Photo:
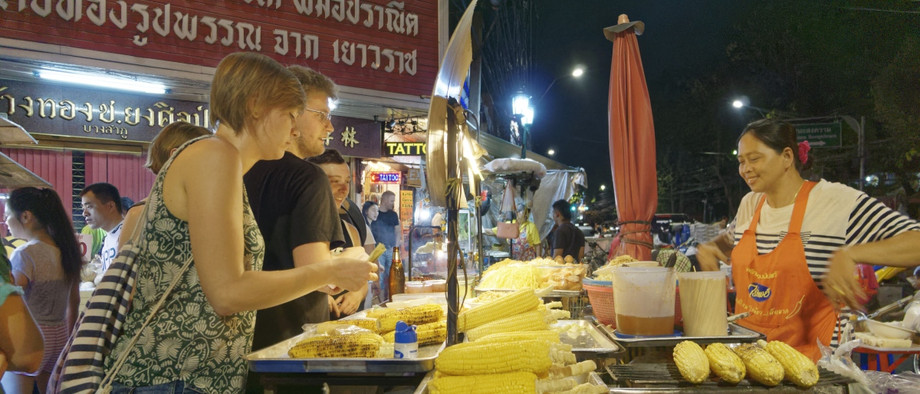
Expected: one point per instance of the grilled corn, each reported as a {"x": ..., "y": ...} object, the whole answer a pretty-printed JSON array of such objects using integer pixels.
[
  {"x": 760, "y": 365},
  {"x": 691, "y": 361},
  {"x": 725, "y": 363},
  {"x": 427, "y": 334},
  {"x": 798, "y": 368},
  {"x": 417, "y": 315},
  {"x": 364, "y": 345}
]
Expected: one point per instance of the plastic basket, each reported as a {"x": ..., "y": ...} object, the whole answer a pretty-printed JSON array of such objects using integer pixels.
[{"x": 600, "y": 295}]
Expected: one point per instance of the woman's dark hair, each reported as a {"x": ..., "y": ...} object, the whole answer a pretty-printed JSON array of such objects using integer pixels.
[
  {"x": 367, "y": 205},
  {"x": 47, "y": 208},
  {"x": 778, "y": 136}
]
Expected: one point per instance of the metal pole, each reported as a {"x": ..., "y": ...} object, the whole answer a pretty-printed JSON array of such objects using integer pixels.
[
  {"x": 523, "y": 130},
  {"x": 453, "y": 207},
  {"x": 862, "y": 151}
]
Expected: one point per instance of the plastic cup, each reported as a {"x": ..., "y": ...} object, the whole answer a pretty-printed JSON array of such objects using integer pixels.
[
  {"x": 643, "y": 298},
  {"x": 703, "y": 304}
]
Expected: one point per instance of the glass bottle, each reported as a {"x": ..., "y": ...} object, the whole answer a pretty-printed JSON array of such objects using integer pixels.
[{"x": 397, "y": 277}]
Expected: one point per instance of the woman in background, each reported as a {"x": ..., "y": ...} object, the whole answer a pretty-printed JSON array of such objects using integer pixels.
[
  {"x": 47, "y": 267},
  {"x": 370, "y": 212}
]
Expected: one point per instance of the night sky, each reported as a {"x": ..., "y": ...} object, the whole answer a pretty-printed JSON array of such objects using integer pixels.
[{"x": 681, "y": 38}]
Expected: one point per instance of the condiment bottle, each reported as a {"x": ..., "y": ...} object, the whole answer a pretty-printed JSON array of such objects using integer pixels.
[
  {"x": 405, "y": 341},
  {"x": 397, "y": 277}
]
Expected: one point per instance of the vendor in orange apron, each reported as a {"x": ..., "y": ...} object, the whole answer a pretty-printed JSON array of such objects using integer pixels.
[{"x": 776, "y": 287}]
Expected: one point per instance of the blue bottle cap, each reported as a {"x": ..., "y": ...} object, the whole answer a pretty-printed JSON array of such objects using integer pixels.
[{"x": 405, "y": 333}]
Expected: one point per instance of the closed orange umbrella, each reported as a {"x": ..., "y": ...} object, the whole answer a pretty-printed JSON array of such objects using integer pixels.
[{"x": 632, "y": 140}]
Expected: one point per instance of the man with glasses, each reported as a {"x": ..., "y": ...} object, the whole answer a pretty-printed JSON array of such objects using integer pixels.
[{"x": 293, "y": 204}]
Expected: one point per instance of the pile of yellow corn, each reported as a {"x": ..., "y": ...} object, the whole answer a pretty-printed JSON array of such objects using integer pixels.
[{"x": 765, "y": 363}]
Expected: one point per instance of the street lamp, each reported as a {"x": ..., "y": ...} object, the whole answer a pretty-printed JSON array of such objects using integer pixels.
[
  {"x": 740, "y": 103},
  {"x": 577, "y": 72},
  {"x": 522, "y": 116},
  {"x": 551, "y": 152}
]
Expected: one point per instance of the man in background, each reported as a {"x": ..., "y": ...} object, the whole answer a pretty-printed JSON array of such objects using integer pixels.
[
  {"x": 388, "y": 232},
  {"x": 102, "y": 210},
  {"x": 355, "y": 229},
  {"x": 568, "y": 240},
  {"x": 293, "y": 205}
]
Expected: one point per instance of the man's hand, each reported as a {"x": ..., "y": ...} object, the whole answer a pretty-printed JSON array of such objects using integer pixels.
[
  {"x": 334, "y": 308},
  {"x": 840, "y": 284},
  {"x": 349, "y": 302},
  {"x": 708, "y": 255}
]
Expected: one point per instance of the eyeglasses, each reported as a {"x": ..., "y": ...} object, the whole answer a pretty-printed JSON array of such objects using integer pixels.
[{"x": 324, "y": 114}]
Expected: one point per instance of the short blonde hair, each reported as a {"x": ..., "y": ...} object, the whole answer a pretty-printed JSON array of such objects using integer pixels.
[
  {"x": 313, "y": 80},
  {"x": 247, "y": 85},
  {"x": 171, "y": 137}
]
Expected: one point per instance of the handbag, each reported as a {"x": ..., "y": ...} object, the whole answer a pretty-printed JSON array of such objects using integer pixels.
[
  {"x": 508, "y": 230},
  {"x": 80, "y": 367}
]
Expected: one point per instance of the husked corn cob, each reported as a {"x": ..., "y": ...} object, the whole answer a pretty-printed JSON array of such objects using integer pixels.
[
  {"x": 515, "y": 303},
  {"x": 512, "y": 382},
  {"x": 586, "y": 388},
  {"x": 725, "y": 363},
  {"x": 545, "y": 335},
  {"x": 691, "y": 361},
  {"x": 527, "y": 321},
  {"x": 353, "y": 345},
  {"x": 760, "y": 365},
  {"x": 798, "y": 368},
  {"x": 475, "y": 359},
  {"x": 427, "y": 334},
  {"x": 417, "y": 315},
  {"x": 329, "y": 327}
]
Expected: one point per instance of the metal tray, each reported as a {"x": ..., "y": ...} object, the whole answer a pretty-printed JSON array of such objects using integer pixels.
[
  {"x": 737, "y": 334},
  {"x": 591, "y": 377},
  {"x": 592, "y": 341},
  {"x": 274, "y": 359},
  {"x": 551, "y": 294}
]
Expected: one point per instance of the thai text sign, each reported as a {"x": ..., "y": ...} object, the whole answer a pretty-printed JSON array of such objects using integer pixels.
[
  {"x": 819, "y": 134},
  {"x": 73, "y": 112},
  {"x": 389, "y": 46}
]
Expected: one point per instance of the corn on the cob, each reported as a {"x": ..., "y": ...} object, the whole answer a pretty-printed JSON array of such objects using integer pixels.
[
  {"x": 760, "y": 365},
  {"x": 330, "y": 327},
  {"x": 691, "y": 361},
  {"x": 513, "y": 382},
  {"x": 363, "y": 345},
  {"x": 417, "y": 315},
  {"x": 586, "y": 388},
  {"x": 427, "y": 334},
  {"x": 725, "y": 363},
  {"x": 798, "y": 368},
  {"x": 512, "y": 304},
  {"x": 552, "y": 385},
  {"x": 527, "y": 321},
  {"x": 474, "y": 359},
  {"x": 545, "y": 335}
]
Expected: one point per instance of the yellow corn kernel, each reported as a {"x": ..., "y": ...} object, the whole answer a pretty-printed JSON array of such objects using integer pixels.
[
  {"x": 512, "y": 382},
  {"x": 427, "y": 334},
  {"x": 364, "y": 345},
  {"x": 545, "y": 335},
  {"x": 512, "y": 304},
  {"x": 725, "y": 363},
  {"x": 760, "y": 365},
  {"x": 798, "y": 368},
  {"x": 417, "y": 315},
  {"x": 475, "y": 359},
  {"x": 527, "y": 321},
  {"x": 691, "y": 361}
]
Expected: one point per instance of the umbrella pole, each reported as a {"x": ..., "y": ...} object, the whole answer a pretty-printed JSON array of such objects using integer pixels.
[{"x": 454, "y": 188}]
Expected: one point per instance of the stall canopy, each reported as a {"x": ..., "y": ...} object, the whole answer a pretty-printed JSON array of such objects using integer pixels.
[
  {"x": 12, "y": 174},
  {"x": 13, "y": 134},
  {"x": 632, "y": 140}
]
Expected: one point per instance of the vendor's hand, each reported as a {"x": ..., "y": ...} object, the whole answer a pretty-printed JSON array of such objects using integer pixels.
[
  {"x": 351, "y": 274},
  {"x": 708, "y": 255},
  {"x": 334, "y": 308},
  {"x": 349, "y": 302},
  {"x": 3, "y": 363},
  {"x": 840, "y": 284}
]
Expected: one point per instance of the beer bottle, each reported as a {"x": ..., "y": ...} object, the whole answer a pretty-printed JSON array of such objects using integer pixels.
[{"x": 397, "y": 277}]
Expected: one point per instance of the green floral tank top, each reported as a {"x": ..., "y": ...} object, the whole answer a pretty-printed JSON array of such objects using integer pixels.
[{"x": 187, "y": 340}]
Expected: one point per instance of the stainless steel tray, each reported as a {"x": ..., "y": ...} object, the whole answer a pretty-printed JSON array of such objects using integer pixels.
[
  {"x": 592, "y": 340},
  {"x": 664, "y": 377},
  {"x": 274, "y": 359},
  {"x": 737, "y": 334},
  {"x": 591, "y": 377}
]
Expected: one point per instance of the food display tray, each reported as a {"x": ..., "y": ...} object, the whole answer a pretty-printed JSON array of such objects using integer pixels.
[
  {"x": 664, "y": 377},
  {"x": 593, "y": 340},
  {"x": 737, "y": 334},
  {"x": 275, "y": 359},
  {"x": 591, "y": 377}
]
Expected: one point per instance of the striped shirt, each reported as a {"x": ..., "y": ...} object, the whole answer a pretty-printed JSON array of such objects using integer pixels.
[{"x": 836, "y": 215}]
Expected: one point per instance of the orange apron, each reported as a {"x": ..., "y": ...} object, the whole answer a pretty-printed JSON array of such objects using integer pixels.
[{"x": 784, "y": 301}]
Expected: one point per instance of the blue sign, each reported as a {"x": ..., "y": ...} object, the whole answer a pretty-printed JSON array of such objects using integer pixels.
[{"x": 759, "y": 292}]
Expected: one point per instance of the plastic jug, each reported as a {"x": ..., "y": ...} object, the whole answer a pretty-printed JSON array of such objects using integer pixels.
[
  {"x": 406, "y": 341},
  {"x": 643, "y": 298}
]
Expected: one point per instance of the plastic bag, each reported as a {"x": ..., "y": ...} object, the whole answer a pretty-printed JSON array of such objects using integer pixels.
[
  {"x": 841, "y": 362},
  {"x": 884, "y": 382}
]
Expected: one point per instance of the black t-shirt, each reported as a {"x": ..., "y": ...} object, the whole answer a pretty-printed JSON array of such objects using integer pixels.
[
  {"x": 292, "y": 202},
  {"x": 568, "y": 238},
  {"x": 384, "y": 228}
]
